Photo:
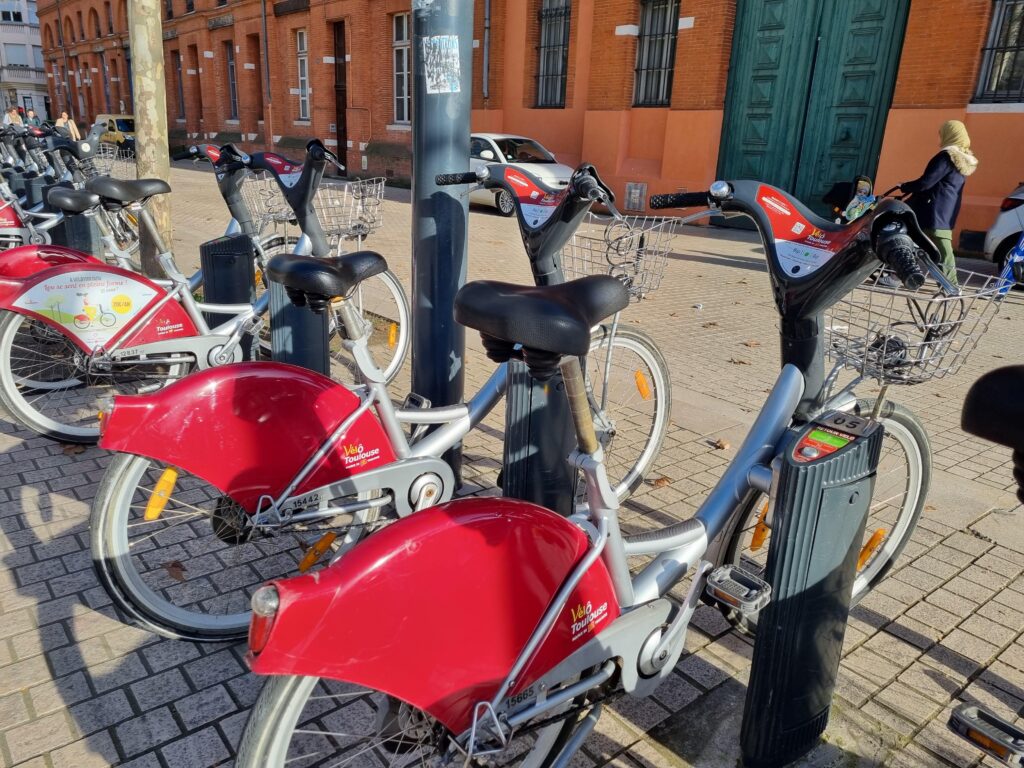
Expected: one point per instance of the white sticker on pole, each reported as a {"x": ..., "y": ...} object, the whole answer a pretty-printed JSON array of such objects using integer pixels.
[
  {"x": 441, "y": 64},
  {"x": 94, "y": 306}
]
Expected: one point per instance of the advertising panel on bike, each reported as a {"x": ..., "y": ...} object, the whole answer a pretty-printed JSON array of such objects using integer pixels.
[
  {"x": 93, "y": 306},
  {"x": 802, "y": 247}
]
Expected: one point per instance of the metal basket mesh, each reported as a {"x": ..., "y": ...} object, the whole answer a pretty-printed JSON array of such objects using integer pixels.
[
  {"x": 263, "y": 198},
  {"x": 634, "y": 249},
  {"x": 111, "y": 160},
  {"x": 898, "y": 336},
  {"x": 352, "y": 210}
]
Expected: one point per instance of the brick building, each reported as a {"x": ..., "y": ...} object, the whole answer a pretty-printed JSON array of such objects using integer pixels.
[{"x": 659, "y": 94}]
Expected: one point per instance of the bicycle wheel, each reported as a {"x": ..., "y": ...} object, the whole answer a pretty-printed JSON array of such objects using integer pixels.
[
  {"x": 45, "y": 385},
  {"x": 382, "y": 303},
  {"x": 306, "y": 721},
  {"x": 190, "y": 569},
  {"x": 631, "y": 399},
  {"x": 901, "y": 485}
]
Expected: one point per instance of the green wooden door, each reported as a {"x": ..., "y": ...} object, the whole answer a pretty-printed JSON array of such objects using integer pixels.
[{"x": 810, "y": 84}]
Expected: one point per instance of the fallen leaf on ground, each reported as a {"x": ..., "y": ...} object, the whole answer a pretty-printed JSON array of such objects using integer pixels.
[
  {"x": 175, "y": 570},
  {"x": 673, "y": 314},
  {"x": 720, "y": 444},
  {"x": 738, "y": 361},
  {"x": 711, "y": 324},
  {"x": 661, "y": 482},
  {"x": 72, "y": 449},
  {"x": 930, "y": 508},
  {"x": 751, "y": 343}
]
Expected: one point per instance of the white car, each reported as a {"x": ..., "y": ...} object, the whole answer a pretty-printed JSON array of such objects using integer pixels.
[
  {"x": 1003, "y": 235},
  {"x": 486, "y": 148}
]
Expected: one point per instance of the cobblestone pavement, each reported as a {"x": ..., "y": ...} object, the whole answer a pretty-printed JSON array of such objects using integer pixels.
[{"x": 79, "y": 688}]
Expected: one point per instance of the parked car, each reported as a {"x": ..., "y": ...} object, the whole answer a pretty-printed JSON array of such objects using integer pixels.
[
  {"x": 120, "y": 130},
  {"x": 1003, "y": 235},
  {"x": 526, "y": 153}
]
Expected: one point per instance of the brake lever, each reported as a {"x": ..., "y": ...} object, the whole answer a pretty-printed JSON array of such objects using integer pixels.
[{"x": 932, "y": 268}]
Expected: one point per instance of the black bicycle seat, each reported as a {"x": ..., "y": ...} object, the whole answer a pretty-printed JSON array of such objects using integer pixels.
[
  {"x": 123, "y": 191},
  {"x": 72, "y": 200},
  {"x": 553, "y": 318},
  {"x": 314, "y": 280}
]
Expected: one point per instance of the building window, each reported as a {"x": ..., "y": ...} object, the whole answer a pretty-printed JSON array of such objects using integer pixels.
[
  {"x": 81, "y": 27},
  {"x": 11, "y": 12},
  {"x": 96, "y": 24},
  {"x": 229, "y": 56},
  {"x": 402, "y": 63},
  {"x": 37, "y": 56},
  {"x": 33, "y": 17},
  {"x": 110, "y": 18},
  {"x": 553, "y": 53},
  {"x": 179, "y": 83},
  {"x": 655, "y": 53},
  {"x": 302, "y": 53},
  {"x": 16, "y": 55},
  {"x": 169, "y": 9},
  {"x": 1002, "y": 64},
  {"x": 190, "y": 6},
  {"x": 106, "y": 81}
]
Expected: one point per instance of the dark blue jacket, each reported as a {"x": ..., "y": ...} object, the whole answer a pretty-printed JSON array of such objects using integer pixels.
[{"x": 937, "y": 194}]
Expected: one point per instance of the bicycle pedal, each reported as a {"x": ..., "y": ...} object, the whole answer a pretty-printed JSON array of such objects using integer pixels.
[
  {"x": 738, "y": 589},
  {"x": 989, "y": 733}
]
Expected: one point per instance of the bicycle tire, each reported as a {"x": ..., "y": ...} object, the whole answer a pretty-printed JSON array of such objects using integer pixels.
[
  {"x": 274, "y": 716},
  {"x": 901, "y": 426},
  {"x": 625, "y": 403},
  {"x": 171, "y": 594},
  {"x": 64, "y": 405},
  {"x": 381, "y": 302}
]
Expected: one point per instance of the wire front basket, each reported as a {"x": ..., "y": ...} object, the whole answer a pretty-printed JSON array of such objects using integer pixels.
[
  {"x": 263, "y": 198},
  {"x": 350, "y": 211},
  {"x": 111, "y": 160},
  {"x": 899, "y": 336},
  {"x": 634, "y": 249}
]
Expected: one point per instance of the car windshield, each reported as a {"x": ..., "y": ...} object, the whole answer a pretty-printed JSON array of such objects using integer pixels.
[
  {"x": 524, "y": 151},
  {"x": 128, "y": 126}
]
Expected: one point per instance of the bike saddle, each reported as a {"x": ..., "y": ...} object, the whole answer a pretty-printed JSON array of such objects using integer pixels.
[
  {"x": 123, "y": 191},
  {"x": 993, "y": 410},
  {"x": 553, "y": 319},
  {"x": 72, "y": 200},
  {"x": 315, "y": 281}
]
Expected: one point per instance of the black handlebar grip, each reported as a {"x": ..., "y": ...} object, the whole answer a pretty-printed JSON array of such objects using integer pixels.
[
  {"x": 587, "y": 188},
  {"x": 680, "y": 200},
  {"x": 184, "y": 155},
  {"x": 451, "y": 179},
  {"x": 900, "y": 254}
]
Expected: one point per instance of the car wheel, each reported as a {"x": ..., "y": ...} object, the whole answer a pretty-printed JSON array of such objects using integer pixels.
[
  {"x": 504, "y": 203},
  {"x": 1003, "y": 250}
]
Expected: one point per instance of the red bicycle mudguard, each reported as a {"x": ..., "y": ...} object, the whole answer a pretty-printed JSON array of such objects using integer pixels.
[
  {"x": 248, "y": 428},
  {"x": 435, "y": 608},
  {"x": 92, "y": 303},
  {"x": 26, "y": 260}
]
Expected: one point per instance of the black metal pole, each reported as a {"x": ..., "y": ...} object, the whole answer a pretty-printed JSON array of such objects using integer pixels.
[{"x": 442, "y": 51}]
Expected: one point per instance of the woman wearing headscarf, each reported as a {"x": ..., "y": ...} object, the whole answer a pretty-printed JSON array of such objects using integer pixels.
[{"x": 938, "y": 193}]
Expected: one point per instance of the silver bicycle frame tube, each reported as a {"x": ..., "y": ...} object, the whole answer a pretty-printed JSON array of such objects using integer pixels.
[{"x": 758, "y": 448}]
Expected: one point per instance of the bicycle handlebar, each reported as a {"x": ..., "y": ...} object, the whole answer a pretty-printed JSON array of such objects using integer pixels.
[
  {"x": 451, "y": 179},
  {"x": 898, "y": 251},
  {"x": 680, "y": 200}
]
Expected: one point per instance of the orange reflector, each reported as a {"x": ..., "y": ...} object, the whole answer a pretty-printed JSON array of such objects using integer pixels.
[
  {"x": 760, "y": 530},
  {"x": 642, "y": 386},
  {"x": 870, "y": 547},
  {"x": 161, "y": 494},
  {"x": 317, "y": 551},
  {"x": 983, "y": 741},
  {"x": 392, "y": 335}
]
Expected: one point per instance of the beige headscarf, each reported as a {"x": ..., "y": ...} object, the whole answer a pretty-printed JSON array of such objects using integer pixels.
[{"x": 957, "y": 143}]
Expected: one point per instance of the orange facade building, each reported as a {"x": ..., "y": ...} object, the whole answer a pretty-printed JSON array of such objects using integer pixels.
[{"x": 659, "y": 94}]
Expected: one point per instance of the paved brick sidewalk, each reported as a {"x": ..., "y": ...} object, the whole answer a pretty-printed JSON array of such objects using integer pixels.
[{"x": 78, "y": 688}]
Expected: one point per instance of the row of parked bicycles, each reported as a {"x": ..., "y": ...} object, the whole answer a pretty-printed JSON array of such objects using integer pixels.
[{"x": 429, "y": 631}]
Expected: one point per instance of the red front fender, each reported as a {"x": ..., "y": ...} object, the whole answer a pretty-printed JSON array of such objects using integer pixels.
[
  {"x": 248, "y": 428},
  {"x": 435, "y": 608}
]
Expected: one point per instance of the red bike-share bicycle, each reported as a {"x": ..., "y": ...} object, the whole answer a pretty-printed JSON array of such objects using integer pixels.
[{"x": 489, "y": 628}]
